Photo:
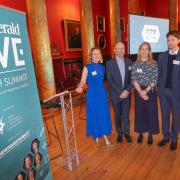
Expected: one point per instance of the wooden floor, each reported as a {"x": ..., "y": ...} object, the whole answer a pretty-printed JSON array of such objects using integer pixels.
[{"x": 122, "y": 162}]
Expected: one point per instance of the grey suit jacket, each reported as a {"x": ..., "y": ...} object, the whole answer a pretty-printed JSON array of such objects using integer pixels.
[
  {"x": 114, "y": 78},
  {"x": 162, "y": 66}
]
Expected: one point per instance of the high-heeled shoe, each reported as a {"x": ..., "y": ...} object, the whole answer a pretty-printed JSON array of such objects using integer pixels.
[
  {"x": 108, "y": 143},
  {"x": 97, "y": 141}
]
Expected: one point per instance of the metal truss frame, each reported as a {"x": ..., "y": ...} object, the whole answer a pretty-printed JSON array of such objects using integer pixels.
[{"x": 66, "y": 106}]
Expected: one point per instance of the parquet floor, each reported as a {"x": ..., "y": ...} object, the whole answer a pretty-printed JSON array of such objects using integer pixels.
[{"x": 121, "y": 162}]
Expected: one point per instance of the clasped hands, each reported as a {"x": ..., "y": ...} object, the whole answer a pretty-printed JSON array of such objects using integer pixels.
[{"x": 143, "y": 94}]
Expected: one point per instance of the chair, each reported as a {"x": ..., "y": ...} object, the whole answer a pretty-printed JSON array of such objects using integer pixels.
[{"x": 62, "y": 81}]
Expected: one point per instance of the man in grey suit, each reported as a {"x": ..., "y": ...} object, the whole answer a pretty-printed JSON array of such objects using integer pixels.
[
  {"x": 118, "y": 71},
  {"x": 169, "y": 89}
]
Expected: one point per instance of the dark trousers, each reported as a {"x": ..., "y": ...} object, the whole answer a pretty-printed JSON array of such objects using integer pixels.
[
  {"x": 121, "y": 110},
  {"x": 170, "y": 103}
]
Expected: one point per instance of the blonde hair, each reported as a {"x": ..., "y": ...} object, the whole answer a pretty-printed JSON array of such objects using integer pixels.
[
  {"x": 91, "y": 52},
  {"x": 150, "y": 56}
]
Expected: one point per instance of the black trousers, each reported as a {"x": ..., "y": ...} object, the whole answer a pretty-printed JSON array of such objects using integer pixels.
[
  {"x": 121, "y": 111},
  {"x": 169, "y": 103}
]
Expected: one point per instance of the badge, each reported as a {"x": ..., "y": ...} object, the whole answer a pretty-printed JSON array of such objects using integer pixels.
[
  {"x": 94, "y": 73},
  {"x": 139, "y": 70},
  {"x": 176, "y": 62}
]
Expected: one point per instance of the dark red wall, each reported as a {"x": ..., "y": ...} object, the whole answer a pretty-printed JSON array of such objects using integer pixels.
[
  {"x": 15, "y": 4},
  {"x": 99, "y": 8},
  {"x": 156, "y": 8},
  {"x": 124, "y": 15},
  {"x": 58, "y": 10}
]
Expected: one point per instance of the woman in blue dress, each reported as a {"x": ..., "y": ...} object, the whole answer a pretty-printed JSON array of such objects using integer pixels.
[{"x": 98, "y": 122}]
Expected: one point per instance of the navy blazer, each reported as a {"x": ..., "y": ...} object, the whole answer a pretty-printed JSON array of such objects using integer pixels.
[
  {"x": 114, "y": 78},
  {"x": 162, "y": 66}
]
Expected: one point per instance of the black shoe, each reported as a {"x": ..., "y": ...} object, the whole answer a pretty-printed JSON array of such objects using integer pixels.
[
  {"x": 140, "y": 139},
  {"x": 173, "y": 146},
  {"x": 150, "y": 139},
  {"x": 163, "y": 142},
  {"x": 119, "y": 138},
  {"x": 128, "y": 138}
]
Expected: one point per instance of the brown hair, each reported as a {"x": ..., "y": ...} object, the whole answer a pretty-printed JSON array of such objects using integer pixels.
[
  {"x": 91, "y": 51},
  {"x": 173, "y": 33},
  {"x": 150, "y": 56}
]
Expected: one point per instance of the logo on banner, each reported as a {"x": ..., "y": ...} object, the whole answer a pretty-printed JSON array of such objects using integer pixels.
[
  {"x": 151, "y": 33},
  {"x": 2, "y": 125}
]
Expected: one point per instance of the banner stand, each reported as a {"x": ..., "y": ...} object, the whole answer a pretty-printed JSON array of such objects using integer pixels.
[{"x": 71, "y": 160}]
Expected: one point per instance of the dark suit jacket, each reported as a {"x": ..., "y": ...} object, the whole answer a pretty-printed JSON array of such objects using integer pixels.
[
  {"x": 162, "y": 66},
  {"x": 114, "y": 78}
]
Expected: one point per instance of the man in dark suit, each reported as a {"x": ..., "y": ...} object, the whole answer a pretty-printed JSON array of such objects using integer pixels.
[
  {"x": 118, "y": 71},
  {"x": 169, "y": 89}
]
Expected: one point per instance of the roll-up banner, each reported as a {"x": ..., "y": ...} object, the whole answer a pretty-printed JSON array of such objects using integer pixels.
[{"x": 23, "y": 147}]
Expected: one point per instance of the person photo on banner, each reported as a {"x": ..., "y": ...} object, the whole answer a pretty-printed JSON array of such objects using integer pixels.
[
  {"x": 31, "y": 175},
  {"x": 28, "y": 162},
  {"x": 37, "y": 160},
  {"x": 35, "y": 146},
  {"x": 21, "y": 176}
]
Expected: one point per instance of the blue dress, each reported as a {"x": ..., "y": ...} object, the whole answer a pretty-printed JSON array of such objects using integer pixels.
[{"x": 97, "y": 108}]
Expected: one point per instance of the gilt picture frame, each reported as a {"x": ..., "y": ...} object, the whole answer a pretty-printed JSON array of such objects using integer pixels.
[{"x": 72, "y": 31}]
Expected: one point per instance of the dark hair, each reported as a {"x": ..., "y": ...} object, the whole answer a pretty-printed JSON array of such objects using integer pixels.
[
  {"x": 27, "y": 156},
  {"x": 173, "y": 33},
  {"x": 35, "y": 141},
  {"x": 22, "y": 174}
]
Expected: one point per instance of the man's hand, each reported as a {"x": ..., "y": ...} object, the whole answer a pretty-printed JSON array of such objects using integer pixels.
[{"x": 124, "y": 94}]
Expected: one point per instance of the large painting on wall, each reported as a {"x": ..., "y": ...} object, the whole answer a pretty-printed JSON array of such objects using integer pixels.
[{"x": 72, "y": 31}]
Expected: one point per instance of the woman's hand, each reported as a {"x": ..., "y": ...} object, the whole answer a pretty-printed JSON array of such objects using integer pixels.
[
  {"x": 142, "y": 93},
  {"x": 145, "y": 97},
  {"x": 79, "y": 89}
]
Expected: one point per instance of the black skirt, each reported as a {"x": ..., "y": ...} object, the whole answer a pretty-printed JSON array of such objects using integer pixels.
[{"x": 146, "y": 113}]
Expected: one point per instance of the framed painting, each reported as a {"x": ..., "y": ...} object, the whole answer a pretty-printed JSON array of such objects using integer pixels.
[
  {"x": 122, "y": 24},
  {"x": 72, "y": 31},
  {"x": 100, "y": 23},
  {"x": 101, "y": 41}
]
